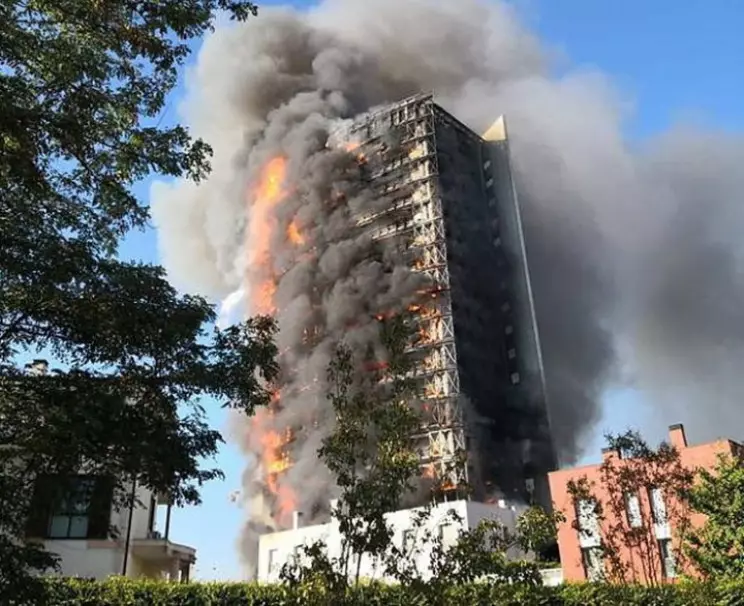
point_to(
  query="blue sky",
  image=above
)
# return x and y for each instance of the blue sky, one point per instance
(676, 60)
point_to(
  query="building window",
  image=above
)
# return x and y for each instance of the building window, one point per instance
(273, 560)
(69, 519)
(512, 353)
(505, 307)
(447, 535)
(591, 558)
(658, 507)
(588, 521)
(515, 378)
(407, 541)
(667, 558)
(509, 329)
(71, 507)
(633, 509)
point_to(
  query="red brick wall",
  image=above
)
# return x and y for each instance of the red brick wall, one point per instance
(691, 457)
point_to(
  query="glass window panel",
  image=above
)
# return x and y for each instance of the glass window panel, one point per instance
(78, 527)
(59, 526)
(633, 505)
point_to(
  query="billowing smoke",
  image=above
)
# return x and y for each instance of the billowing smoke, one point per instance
(632, 252)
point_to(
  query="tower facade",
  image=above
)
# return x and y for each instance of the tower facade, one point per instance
(452, 212)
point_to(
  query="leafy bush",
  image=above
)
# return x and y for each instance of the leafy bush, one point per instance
(123, 592)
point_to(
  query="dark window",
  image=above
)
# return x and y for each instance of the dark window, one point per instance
(667, 558)
(69, 519)
(76, 507)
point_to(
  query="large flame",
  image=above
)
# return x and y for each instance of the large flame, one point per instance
(267, 194)
(274, 457)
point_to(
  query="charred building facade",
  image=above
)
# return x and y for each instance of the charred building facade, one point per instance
(453, 213)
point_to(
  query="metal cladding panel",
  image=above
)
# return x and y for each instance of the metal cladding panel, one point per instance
(532, 393)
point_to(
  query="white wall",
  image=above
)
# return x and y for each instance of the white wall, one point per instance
(279, 547)
(103, 558)
(79, 559)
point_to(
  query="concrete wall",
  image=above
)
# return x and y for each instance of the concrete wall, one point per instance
(278, 548)
(83, 558)
(569, 539)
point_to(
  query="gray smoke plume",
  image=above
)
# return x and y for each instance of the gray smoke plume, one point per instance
(632, 252)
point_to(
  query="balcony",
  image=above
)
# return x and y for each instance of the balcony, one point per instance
(157, 557)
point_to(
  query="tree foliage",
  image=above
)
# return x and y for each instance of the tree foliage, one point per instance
(371, 453)
(477, 555)
(629, 548)
(83, 84)
(121, 592)
(537, 529)
(716, 549)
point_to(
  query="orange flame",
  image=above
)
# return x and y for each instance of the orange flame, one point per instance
(267, 194)
(374, 365)
(352, 147)
(274, 455)
(294, 235)
(425, 335)
(385, 315)
(274, 458)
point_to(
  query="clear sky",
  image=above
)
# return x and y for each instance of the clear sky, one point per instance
(676, 60)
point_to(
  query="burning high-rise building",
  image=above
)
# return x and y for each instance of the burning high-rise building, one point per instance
(622, 238)
(442, 205)
(418, 214)
(452, 213)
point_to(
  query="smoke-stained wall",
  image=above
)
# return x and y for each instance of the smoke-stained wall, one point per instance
(498, 361)
(529, 398)
(476, 273)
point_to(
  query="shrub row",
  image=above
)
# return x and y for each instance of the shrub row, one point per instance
(122, 592)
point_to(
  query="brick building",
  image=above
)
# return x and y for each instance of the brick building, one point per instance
(649, 512)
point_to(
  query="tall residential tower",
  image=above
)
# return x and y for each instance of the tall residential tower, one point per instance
(454, 214)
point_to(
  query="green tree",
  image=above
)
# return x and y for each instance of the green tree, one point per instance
(537, 530)
(371, 454)
(716, 549)
(83, 84)
(369, 451)
(621, 505)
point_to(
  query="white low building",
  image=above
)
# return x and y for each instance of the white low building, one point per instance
(75, 518)
(77, 527)
(445, 520)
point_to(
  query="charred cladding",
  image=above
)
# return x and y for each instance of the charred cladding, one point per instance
(454, 213)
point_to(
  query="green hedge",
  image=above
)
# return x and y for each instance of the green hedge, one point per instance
(122, 592)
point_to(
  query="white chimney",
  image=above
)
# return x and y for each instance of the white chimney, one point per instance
(296, 515)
